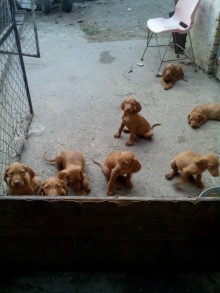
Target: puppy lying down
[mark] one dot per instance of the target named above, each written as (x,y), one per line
(170,75)
(202,113)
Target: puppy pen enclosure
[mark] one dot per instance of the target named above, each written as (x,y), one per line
(90,233)
(18,38)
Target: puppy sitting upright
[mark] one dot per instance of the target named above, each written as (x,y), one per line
(191,164)
(116,165)
(70,165)
(21,180)
(170,75)
(136,124)
(54,186)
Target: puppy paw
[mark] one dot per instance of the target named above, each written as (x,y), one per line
(117,135)
(129,143)
(178,183)
(169,176)
(81,192)
(110,192)
(128,185)
(199,184)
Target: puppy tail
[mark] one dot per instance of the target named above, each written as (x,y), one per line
(157,124)
(47,159)
(97,163)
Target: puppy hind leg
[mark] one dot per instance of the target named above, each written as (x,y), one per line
(85,183)
(59,163)
(183,178)
(148,135)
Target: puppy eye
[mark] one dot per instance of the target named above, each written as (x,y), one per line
(23,172)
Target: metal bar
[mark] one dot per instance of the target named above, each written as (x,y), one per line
(149,36)
(20,56)
(35,29)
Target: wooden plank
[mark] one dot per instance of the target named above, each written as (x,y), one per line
(99,233)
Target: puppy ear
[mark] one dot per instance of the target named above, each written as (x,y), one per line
(30,171)
(202,163)
(138,107)
(42,189)
(164,71)
(64,186)
(123,105)
(201,117)
(136,166)
(6,175)
(62,175)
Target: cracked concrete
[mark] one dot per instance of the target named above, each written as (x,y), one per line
(77,87)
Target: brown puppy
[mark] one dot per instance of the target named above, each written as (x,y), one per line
(119,163)
(202,113)
(71,165)
(54,186)
(190,163)
(21,180)
(170,75)
(136,124)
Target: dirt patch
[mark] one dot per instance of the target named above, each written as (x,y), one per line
(117,20)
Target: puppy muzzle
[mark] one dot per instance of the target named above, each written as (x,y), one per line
(215,173)
(15,183)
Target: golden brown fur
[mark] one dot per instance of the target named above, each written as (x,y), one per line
(191,164)
(119,163)
(202,113)
(136,124)
(54,186)
(71,167)
(170,75)
(21,180)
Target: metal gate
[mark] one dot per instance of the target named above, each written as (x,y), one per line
(18,37)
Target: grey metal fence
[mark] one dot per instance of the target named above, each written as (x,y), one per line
(15,102)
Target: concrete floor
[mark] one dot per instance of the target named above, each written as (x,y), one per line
(77,87)
(102,282)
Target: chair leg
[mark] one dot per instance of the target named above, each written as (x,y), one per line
(193,57)
(159,53)
(149,36)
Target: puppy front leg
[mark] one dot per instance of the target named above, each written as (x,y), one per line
(198,181)
(132,137)
(85,183)
(118,134)
(169,176)
(166,85)
(36,184)
(128,183)
(112,180)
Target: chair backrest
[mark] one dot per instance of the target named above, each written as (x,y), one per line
(185,10)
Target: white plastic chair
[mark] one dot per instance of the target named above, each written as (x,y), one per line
(181,22)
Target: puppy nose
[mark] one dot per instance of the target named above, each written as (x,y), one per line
(16,182)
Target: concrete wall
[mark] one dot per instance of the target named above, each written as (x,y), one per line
(206,36)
